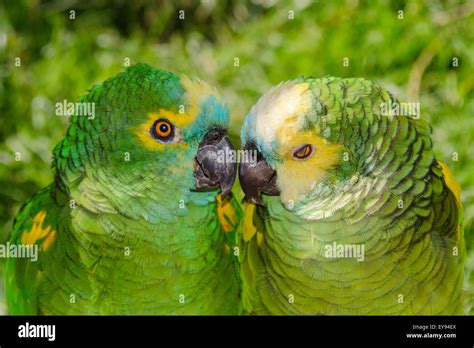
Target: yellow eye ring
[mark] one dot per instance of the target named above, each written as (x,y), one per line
(162,129)
(304,151)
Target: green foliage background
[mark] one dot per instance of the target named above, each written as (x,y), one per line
(61,58)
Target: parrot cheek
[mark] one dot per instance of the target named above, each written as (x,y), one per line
(297,179)
(293,187)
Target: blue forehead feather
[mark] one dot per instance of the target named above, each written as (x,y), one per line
(212,113)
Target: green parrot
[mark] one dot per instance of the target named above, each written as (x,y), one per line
(133,223)
(349,212)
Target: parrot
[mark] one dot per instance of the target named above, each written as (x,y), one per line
(347,210)
(133,222)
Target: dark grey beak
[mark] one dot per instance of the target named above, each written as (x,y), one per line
(212,167)
(257,178)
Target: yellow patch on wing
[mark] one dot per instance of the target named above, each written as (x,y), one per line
(451,182)
(38,231)
(248,226)
(297,177)
(48,241)
(143,131)
(226,213)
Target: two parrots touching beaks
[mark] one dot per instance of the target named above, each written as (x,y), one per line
(346,211)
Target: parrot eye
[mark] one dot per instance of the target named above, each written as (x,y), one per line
(303,151)
(162,130)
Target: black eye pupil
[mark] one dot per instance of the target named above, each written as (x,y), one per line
(162,130)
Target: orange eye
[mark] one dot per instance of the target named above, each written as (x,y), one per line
(162,129)
(303,151)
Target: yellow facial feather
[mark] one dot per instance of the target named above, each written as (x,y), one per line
(143,131)
(297,177)
(282,105)
(195,91)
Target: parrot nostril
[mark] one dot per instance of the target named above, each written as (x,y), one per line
(213,136)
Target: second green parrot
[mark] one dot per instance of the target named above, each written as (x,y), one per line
(349,210)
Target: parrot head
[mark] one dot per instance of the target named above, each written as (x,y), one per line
(152,144)
(301,137)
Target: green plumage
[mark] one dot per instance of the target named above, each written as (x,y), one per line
(121,230)
(387,192)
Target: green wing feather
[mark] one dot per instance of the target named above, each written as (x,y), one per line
(23,275)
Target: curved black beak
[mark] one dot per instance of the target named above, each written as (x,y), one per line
(257,178)
(213,167)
